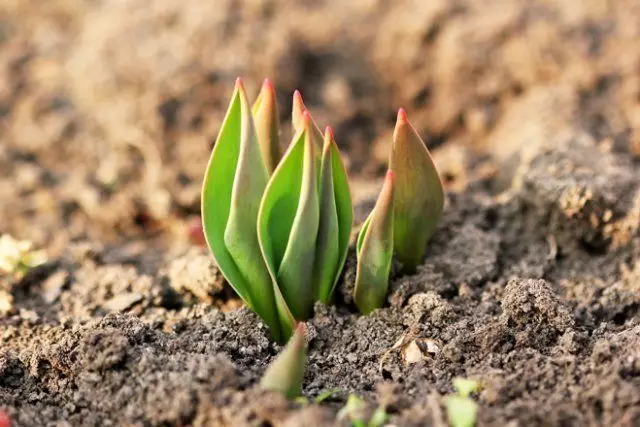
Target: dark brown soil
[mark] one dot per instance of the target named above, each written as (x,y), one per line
(531,284)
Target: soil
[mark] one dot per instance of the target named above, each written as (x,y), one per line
(531,284)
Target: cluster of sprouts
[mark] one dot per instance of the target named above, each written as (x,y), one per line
(278,224)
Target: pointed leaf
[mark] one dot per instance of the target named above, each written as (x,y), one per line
(231,192)
(419,195)
(327,249)
(297,110)
(288,224)
(344,207)
(265,114)
(297,113)
(286,372)
(336,219)
(295,274)
(376,252)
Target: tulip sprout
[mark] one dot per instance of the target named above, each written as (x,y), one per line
(281,240)
(286,372)
(419,195)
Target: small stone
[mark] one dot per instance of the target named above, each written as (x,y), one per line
(196,273)
(52,287)
(123,302)
(6,303)
(29,315)
(412,354)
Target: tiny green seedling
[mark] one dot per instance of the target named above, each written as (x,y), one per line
(461,409)
(354,411)
(320,398)
(17,257)
(286,372)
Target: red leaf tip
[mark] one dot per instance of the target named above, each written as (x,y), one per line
(267,84)
(301,328)
(238,81)
(329,133)
(390,175)
(298,103)
(402,116)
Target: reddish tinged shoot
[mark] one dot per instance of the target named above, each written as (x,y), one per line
(265,115)
(419,194)
(297,113)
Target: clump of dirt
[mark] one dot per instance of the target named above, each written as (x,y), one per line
(530,285)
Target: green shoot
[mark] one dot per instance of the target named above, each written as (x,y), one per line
(461,409)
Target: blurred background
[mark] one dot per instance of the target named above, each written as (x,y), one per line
(109,109)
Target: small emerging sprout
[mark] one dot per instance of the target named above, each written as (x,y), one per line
(355,411)
(375,251)
(17,258)
(419,195)
(286,372)
(461,409)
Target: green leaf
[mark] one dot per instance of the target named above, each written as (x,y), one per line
(234,181)
(461,411)
(301,400)
(265,115)
(344,207)
(378,418)
(288,224)
(419,195)
(327,394)
(376,252)
(353,410)
(336,219)
(286,373)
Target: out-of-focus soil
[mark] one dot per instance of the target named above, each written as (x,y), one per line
(531,284)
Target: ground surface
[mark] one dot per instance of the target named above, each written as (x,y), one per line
(531,284)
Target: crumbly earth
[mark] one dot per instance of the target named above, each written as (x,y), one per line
(531,284)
